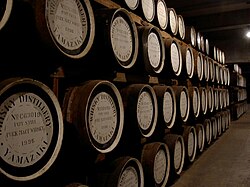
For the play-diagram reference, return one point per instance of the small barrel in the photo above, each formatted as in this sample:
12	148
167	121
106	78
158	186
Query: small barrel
224	121
152	50
220	98
216	71
198	40
229	78
202	38
211	70
203	97
218	118
208	131
229	117
190	36
141	110
31	128
206	68
200	131
188	61
181	27
210	99
130	4
166	105
122	171
194	101
199	68
227	98
155	160
176	147
207	47
162	14
216	99
182	103
95	108
173	22
116	39
174	57
214	128
5	12
71	30
221	74
190	142
148	9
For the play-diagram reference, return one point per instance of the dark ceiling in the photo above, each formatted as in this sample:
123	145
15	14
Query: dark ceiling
223	22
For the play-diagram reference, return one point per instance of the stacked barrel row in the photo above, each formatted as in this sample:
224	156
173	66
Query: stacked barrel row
238	92
128	89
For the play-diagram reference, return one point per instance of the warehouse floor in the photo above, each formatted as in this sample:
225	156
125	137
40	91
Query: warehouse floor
225	163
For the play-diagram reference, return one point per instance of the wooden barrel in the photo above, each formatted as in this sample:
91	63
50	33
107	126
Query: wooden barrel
211	70
216	68
95	108
221	74
200	131
181	27
173	22
141	109
198	40
155	160
227	98
5	11
221	99
229	117
216	99
214	128
207	47
31	128
182	103
229	77
152	50
208	131
224	95
203	97
148	9
116	39
218	118
190	35
66	26
206	68
174	56
210	99
202	38
130	4
188	61
121	171
224	121
162	14
199	68
166	105
227	120
190	142
176	147
195	101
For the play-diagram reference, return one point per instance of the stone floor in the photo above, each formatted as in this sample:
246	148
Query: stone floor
225	163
